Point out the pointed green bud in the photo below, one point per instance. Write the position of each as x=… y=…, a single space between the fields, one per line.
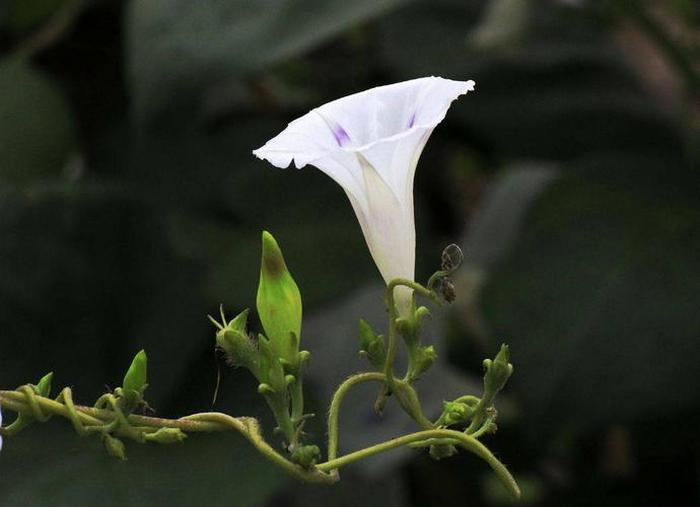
x=114 y=447
x=279 y=301
x=135 y=378
x=372 y=345
x=43 y=388
x=498 y=371
x=304 y=356
x=264 y=388
x=233 y=339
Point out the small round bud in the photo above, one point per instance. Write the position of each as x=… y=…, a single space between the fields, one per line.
x=114 y=447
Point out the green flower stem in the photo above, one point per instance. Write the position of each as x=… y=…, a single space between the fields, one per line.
x=480 y=415
x=405 y=393
x=435 y=277
x=393 y=315
x=250 y=429
x=280 y=410
x=467 y=442
x=297 y=394
x=334 y=410
x=90 y=418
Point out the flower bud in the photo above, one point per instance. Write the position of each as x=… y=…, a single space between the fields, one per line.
x=498 y=371
x=279 y=301
x=235 y=342
x=372 y=345
x=135 y=378
x=114 y=447
x=441 y=451
x=306 y=455
x=43 y=388
x=423 y=359
x=454 y=412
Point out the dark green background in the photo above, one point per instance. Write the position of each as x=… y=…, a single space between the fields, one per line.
x=131 y=206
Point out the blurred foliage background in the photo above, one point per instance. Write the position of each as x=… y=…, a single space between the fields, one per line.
x=131 y=206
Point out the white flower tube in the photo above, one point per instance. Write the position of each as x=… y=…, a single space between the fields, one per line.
x=369 y=143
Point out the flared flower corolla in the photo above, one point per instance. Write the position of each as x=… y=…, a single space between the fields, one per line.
x=369 y=143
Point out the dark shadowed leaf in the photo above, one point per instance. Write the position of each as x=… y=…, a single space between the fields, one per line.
x=596 y=297
x=176 y=46
x=36 y=126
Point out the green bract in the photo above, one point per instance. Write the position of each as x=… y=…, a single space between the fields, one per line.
x=278 y=302
x=234 y=340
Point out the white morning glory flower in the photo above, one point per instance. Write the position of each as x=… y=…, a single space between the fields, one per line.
x=369 y=143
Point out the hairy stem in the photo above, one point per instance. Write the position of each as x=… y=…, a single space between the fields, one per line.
x=92 y=417
x=465 y=441
x=334 y=410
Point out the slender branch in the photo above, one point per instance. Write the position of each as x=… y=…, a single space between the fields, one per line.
x=405 y=282
x=465 y=441
x=334 y=411
x=250 y=429
x=324 y=473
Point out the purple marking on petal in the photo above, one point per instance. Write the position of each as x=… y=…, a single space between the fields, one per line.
x=411 y=120
x=340 y=135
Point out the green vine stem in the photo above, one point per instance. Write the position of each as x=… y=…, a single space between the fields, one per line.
x=334 y=410
x=112 y=416
x=88 y=419
x=465 y=441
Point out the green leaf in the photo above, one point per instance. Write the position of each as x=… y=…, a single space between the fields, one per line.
x=37 y=134
x=135 y=378
x=21 y=15
x=596 y=296
x=279 y=301
x=572 y=96
x=177 y=46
